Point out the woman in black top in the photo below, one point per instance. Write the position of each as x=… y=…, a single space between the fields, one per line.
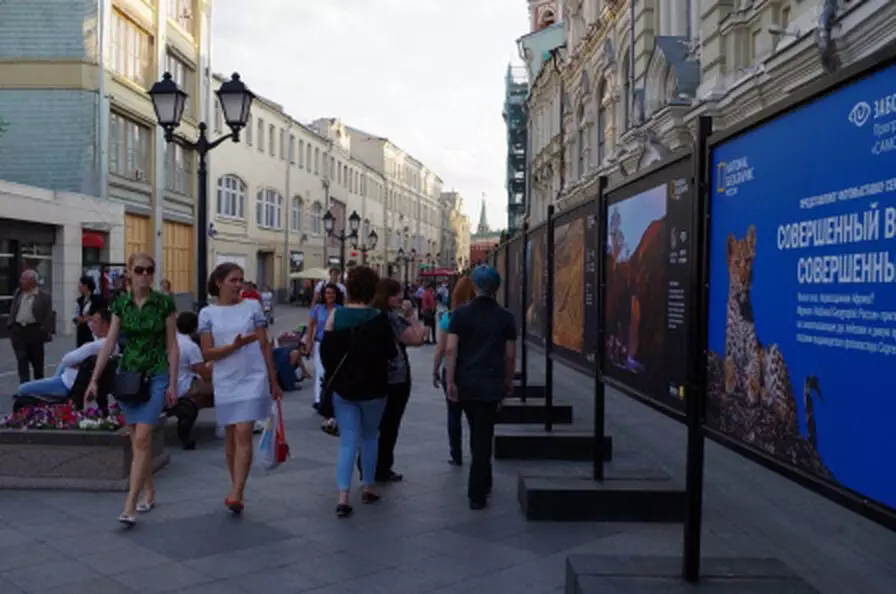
x=356 y=349
x=88 y=304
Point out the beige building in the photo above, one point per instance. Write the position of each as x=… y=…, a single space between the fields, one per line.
x=412 y=208
x=625 y=86
x=272 y=189
x=456 y=250
x=75 y=119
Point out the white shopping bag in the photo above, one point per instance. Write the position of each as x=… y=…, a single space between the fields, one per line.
x=267 y=443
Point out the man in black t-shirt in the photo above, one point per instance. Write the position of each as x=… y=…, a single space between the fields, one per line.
x=481 y=354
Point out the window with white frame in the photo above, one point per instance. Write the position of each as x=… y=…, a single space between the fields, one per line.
x=231 y=197
x=184 y=76
x=297 y=206
x=130 y=50
x=302 y=154
x=128 y=148
x=181 y=12
x=260 y=139
x=271 y=130
x=249 y=131
x=316 y=161
x=282 y=144
x=316 y=216
x=268 y=208
x=292 y=148
x=178 y=169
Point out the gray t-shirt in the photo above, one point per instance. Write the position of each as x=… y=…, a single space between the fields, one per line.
x=399 y=369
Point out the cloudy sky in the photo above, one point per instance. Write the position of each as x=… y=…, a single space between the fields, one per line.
x=428 y=74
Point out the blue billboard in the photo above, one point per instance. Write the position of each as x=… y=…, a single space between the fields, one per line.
x=802 y=298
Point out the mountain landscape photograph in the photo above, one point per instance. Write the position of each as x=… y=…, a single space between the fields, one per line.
x=569 y=285
x=635 y=299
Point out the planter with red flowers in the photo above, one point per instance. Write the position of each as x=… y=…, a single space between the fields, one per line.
x=60 y=447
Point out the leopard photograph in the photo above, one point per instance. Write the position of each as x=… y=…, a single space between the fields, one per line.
x=750 y=395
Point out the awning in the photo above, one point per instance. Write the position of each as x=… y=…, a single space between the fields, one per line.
x=92 y=239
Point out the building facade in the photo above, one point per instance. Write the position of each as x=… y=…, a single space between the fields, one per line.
x=456 y=252
x=625 y=87
x=77 y=119
x=412 y=208
x=516 y=89
x=273 y=188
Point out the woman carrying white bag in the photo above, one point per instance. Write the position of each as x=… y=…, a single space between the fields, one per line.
x=233 y=334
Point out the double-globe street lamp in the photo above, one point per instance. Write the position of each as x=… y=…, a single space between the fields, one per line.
x=407 y=260
x=369 y=246
x=169 y=101
x=354 y=223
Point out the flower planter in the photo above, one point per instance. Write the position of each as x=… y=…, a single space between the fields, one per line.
x=71 y=459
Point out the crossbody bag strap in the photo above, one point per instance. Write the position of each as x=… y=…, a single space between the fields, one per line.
x=341 y=361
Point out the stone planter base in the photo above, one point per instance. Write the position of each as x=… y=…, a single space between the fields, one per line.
x=75 y=460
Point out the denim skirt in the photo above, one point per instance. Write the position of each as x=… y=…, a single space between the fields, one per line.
x=148 y=413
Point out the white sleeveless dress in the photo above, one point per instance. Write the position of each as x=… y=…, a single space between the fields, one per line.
x=240 y=380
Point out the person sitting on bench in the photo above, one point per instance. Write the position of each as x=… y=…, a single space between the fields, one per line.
x=62 y=381
x=194 y=380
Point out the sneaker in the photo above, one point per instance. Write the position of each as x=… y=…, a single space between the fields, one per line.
x=259 y=427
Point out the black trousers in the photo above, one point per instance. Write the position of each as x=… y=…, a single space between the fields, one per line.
x=396 y=402
x=482 y=417
x=28 y=346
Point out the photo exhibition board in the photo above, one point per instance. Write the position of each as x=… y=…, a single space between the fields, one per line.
x=501 y=267
x=537 y=271
x=646 y=296
x=802 y=306
x=575 y=278
x=514 y=280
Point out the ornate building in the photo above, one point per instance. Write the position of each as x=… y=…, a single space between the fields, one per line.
x=626 y=84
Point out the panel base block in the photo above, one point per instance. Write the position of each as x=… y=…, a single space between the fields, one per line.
x=522 y=442
x=631 y=495
x=599 y=574
x=516 y=412
x=533 y=392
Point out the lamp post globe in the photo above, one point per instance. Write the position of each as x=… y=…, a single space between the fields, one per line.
x=400 y=254
x=354 y=222
x=372 y=238
x=329 y=219
x=236 y=102
x=168 y=101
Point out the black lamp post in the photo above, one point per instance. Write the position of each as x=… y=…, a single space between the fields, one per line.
x=372 y=238
x=169 y=100
x=354 y=221
x=407 y=260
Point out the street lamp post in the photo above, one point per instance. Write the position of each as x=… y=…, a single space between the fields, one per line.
x=169 y=100
x=372 y=238
x=407 y=260
x=354 y=221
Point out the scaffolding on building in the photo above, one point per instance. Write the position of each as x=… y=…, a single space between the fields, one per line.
x=517 y=90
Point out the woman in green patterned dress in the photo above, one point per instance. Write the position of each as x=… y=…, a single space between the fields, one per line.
x=146 y=319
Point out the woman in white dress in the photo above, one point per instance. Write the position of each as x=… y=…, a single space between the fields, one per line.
x=233 y=334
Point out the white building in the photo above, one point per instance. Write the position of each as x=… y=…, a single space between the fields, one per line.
x=272 y=189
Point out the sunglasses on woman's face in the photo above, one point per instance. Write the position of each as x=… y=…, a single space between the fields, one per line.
x=144 y=270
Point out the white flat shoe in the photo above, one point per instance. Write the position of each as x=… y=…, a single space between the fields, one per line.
x=128 y=520
x=145 y=507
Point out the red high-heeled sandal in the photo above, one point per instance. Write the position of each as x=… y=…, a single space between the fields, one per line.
x=234 y=505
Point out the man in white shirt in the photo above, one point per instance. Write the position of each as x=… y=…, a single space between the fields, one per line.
x=333 y=280
x=194 y=375
x=64 y=378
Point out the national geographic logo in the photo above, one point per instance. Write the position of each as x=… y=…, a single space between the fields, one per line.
x=730 y=175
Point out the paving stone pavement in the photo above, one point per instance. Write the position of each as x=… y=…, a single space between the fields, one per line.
x=422 y=537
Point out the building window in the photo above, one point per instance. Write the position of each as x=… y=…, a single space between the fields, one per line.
x=260 y=139
x=297 y=206
x=302 y=154
x=316 y=161
x=316 y=214
x=231 y=197
x=128 y=148
x=601 y=125
x=292 y=149
x=178 y=169
x=184 y=76
x=339 y=174
x=271 y=130
x=181 y=12
x=249 y=131
x=130 y=50
x=268 y=209
x=219 y=118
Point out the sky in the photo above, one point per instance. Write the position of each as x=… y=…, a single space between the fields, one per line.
x=638 y=212
x=427 y=74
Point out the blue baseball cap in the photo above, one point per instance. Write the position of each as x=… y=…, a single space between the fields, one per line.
x=486 y=279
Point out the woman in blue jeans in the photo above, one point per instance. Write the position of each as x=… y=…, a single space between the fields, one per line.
x=356 y=349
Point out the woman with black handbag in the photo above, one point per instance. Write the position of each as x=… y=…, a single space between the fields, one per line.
x=146 y=379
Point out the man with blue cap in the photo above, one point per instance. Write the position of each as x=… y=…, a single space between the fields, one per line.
x=480 y=360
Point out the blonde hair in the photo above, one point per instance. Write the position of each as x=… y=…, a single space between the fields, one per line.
x=140 y=256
